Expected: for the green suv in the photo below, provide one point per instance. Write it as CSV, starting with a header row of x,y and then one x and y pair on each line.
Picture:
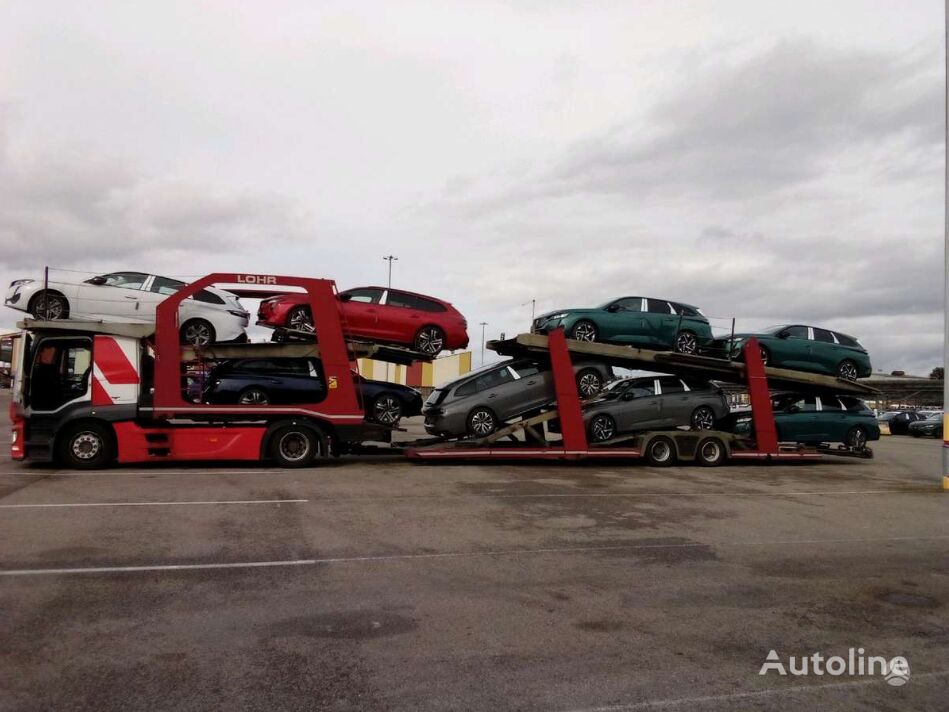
x,y
638,321
820,419
804,348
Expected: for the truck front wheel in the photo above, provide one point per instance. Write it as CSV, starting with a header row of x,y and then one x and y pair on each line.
x,y
87,446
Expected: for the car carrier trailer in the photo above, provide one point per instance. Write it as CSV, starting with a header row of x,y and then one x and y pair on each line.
x,y
659,448
92,392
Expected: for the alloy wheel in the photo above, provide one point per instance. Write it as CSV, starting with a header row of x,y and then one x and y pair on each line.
x,y
254,396
482,423
857,439
387,410
603,428
589,384
584,331
300,319
430,340
703,418
686,343
198,334
49,307
764,355
847,371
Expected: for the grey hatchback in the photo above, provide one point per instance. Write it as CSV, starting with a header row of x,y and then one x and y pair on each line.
x,y
479,403
653,403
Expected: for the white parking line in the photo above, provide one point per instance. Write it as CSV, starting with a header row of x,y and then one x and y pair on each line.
x,y
151,504
450,555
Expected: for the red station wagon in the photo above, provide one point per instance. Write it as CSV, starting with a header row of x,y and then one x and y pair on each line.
x,y
378,314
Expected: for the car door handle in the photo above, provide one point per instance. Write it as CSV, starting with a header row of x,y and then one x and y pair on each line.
x,y
129,297
531,383
493,395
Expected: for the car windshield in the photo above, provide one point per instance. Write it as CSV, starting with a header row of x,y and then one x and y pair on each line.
x,y
773,329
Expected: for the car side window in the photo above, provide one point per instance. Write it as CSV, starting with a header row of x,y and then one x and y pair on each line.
x,y
823,335
829,404
493,379
364,296
467,389
670,385
796,332
641,391
208,297
845,340
126,280
526,369
633,304
163,285
413,301
658,306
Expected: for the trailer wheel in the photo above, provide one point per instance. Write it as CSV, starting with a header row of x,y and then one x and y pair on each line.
x,y
296,445
481,422
660,451
87,446
710,452
856,438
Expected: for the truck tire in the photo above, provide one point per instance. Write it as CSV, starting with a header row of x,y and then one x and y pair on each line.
x,y
296,445
710,452
87,446
660,451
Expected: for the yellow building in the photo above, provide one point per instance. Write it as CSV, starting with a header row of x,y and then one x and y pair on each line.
x,y
419,375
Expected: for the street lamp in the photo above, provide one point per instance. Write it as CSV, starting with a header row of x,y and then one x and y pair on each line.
x,y
390,259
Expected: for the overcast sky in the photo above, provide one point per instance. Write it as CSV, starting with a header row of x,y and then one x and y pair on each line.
x,y
768,161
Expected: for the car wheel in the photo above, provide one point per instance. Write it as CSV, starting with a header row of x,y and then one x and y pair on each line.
x,y
295,446
703,418
254,396
660,452
584,330
300,319
87,446
387,409
197,332
710,452
686,342
48,306
602,428
589,383
481,422
430,340
847,370
856,438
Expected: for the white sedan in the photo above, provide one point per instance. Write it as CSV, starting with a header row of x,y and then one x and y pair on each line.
x,y
211,315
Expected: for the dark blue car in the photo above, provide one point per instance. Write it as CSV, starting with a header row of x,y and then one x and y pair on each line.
x,y
286,381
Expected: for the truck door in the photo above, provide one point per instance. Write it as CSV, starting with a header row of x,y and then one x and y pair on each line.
x,y
60,373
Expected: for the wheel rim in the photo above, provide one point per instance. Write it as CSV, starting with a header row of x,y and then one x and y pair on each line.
x,y
430,341
589,384
602,428
661,451
764,355
703,419
710,451
482,423
49,307
847,371
300,320
198,334
254,397
686,343
294,446
584,331
86,445
858,439
387,410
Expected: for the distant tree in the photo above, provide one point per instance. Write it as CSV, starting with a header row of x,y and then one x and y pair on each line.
x,y
937,373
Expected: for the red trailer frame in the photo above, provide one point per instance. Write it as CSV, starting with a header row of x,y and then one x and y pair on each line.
x,y
575,446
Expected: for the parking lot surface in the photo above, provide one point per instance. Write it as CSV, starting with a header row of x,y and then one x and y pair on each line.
x,y
382,584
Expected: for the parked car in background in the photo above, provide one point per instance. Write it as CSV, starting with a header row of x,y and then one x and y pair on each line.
x,y
804,348
900,420
639,321
288,381
812,420
930,427
480,402
652,403
212,315
378,314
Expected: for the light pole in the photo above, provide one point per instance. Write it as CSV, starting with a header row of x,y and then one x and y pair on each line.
x,y
484,324
390,259
945,307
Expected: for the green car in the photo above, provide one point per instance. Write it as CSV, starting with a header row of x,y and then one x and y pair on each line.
x,y
930,428
820,419
639,321
804,348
